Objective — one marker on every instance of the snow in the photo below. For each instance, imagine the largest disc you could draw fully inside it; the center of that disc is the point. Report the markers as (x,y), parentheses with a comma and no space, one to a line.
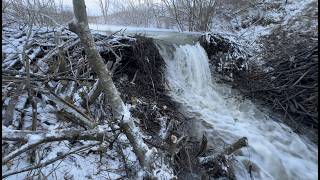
(131,29)
(43,66)
(295,8)
(6,129)
(163,129)
(149,32)
(34,53)
(164,172)
(103,128)
(77,99)
(250,36)
(81,165)
(126,113)
(70,89)
(149,155)
(34,138)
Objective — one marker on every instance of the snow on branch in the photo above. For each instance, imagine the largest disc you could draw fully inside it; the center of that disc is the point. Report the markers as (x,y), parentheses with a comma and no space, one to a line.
(50,161)
(35,138)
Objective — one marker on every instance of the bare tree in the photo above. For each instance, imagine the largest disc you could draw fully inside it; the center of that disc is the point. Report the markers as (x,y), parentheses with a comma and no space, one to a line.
(119,111)
(192,15)
(5,4)
(104,7)
(44,12)
(174,12)
(195,14)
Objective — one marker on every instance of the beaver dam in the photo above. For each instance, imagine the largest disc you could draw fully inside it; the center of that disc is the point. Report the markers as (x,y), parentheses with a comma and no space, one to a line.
(198,124)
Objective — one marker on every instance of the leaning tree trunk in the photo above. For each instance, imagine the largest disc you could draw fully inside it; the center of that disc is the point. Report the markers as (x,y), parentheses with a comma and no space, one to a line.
(81,28)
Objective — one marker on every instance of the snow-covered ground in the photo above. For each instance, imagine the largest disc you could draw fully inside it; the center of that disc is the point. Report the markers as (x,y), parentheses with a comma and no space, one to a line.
(97,160)
(280,15)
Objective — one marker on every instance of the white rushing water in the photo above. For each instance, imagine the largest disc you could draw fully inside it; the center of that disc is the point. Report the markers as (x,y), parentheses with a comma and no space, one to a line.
(274,150)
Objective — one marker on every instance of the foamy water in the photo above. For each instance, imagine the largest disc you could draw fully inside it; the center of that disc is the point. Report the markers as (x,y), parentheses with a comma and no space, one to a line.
(274,150)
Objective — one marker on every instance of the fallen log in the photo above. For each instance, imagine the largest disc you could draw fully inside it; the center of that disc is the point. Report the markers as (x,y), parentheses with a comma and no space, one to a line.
(242,142)
(218,165)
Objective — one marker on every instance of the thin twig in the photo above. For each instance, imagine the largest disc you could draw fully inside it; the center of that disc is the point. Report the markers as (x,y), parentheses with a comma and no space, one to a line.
(50,161)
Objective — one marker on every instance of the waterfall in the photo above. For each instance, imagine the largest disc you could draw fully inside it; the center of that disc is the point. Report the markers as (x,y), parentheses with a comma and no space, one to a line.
(274,150)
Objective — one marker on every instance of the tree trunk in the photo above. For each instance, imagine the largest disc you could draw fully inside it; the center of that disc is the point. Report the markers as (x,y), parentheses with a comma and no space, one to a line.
(81,28)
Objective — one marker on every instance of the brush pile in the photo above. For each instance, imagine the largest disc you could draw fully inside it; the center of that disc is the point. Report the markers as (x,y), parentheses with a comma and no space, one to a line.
(288,81)
(227,58)
(54,115)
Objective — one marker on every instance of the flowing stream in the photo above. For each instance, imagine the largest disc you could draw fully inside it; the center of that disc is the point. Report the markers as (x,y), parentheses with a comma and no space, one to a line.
(274,151)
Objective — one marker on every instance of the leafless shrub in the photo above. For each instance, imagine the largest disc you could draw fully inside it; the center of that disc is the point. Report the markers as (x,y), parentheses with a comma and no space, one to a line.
(42,13)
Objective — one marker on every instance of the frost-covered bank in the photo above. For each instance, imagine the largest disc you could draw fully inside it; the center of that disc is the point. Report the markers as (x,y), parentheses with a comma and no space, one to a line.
(276,67)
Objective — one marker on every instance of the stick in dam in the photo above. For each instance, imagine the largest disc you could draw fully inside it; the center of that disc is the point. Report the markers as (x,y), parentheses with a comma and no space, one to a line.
(242,142)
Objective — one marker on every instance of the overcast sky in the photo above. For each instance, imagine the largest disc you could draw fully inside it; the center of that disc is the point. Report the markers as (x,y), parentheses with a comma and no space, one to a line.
(92,6)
